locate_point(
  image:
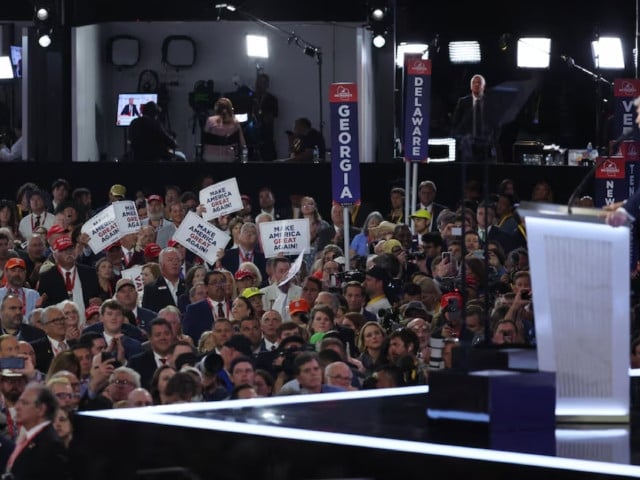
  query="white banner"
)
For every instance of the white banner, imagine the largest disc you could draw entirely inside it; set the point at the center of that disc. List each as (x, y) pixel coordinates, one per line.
(293, 271)
(288, 237)
(201, 237)
(134, 273)
(111, 224)
(220, 199)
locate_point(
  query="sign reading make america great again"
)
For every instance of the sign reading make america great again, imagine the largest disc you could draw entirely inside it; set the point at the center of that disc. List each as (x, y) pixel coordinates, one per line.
(417, 108)
(200, 237)
(345, 154)
(111, 224)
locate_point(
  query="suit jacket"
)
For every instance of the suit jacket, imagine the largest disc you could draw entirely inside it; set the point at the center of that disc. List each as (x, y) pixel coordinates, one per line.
(157, 295)
(145, 364)
(45, 456)
(326, 236)
(52, 283)
(198, 318)
(44, 353)
(144, 318)
(29, 333)
(130, 109)
(128, 329)
(231, 261)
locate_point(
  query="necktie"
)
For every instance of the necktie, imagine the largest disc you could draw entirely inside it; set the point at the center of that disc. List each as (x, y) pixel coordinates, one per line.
(67, 282)
(482, 233)
(129, 255)
(163, 361)
(220, 310)
(475, 118)
(37, 224)
(273, 347)
(62, 346)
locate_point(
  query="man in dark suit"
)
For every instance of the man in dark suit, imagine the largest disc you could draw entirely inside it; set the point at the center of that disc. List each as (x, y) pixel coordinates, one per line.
(247, 251)
(427, 191)
(53, 324)
(112, 320)
(473, 125)
(41, 454)
(130, 109)
(68, 280)
(11, 320)
(335, 235)
(160, 339)
(127, 295)
(167, 288)
(200, 316)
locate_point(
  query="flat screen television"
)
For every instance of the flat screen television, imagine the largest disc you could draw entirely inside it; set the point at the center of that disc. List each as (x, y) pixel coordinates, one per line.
(16, 59)
(130, 106)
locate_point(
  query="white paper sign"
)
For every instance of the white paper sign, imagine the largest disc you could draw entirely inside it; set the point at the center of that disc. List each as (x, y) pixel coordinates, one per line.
(288, 237)
(221, 198)
(111, 224)
(134, 273)
(201, 237)
(293, 271)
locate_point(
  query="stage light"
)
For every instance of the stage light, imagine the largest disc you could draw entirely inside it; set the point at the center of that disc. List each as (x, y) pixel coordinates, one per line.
(379, 41)
(377, 14)
(534, 52)
(607, 53)
(42, 14)
(44, 40)
(257, 46)
(405, 48)
(465, 52)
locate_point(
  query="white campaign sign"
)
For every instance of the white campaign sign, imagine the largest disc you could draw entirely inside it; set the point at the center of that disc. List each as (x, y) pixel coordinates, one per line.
(293, 271)
(134, 273)
(111, 224)
(288, 237)
(220, 199)
(201, 237)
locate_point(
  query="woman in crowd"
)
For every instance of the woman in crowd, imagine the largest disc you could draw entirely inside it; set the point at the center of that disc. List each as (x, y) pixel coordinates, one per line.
(159, 381)
(360, 245)
(322, 319)
(9, 218)
(150, 273)
(371, 343)
(63, 427)
(72, 321)
(241, 308)
(222, 135)
(235, 225)
(263, 383)
(194, 276)
(106, 279)
(309, 210)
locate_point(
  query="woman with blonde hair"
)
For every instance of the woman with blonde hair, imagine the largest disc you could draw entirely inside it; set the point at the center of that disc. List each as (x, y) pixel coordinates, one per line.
(222, 136)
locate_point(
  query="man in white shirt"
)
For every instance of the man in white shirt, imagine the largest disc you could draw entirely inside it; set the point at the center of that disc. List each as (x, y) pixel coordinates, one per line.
(39, 217)
(278, 298)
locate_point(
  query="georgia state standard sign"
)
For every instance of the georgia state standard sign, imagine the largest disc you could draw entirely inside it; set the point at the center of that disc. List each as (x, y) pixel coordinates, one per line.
(417, 108)
(345, 155)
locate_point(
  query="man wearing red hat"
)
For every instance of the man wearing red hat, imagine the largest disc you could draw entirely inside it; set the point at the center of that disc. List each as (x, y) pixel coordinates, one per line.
(15, 272)
(68, 280)
(155, 217)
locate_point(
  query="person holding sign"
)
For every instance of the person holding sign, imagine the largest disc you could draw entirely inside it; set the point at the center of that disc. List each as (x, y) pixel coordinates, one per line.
(68, 280)
(275, 292)
(248, 251)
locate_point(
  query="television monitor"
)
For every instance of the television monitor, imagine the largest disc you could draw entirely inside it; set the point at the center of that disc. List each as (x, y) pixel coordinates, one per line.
(6, 69)
(16, 59)
(130, 106)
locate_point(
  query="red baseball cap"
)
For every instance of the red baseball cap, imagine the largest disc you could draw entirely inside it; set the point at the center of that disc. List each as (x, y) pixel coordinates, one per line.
(62, 243)
(14, 262)
(55, 228)
(152, 250)
(156, 198)
(172, 243)
(92, 310)
(242, 274)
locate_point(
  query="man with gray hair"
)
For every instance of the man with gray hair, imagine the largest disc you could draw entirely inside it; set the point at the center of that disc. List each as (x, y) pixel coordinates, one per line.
(169, 286)
(248, 251)
(122, 382)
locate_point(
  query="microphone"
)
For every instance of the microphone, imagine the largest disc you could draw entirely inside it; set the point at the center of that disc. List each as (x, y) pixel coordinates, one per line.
(570, 61)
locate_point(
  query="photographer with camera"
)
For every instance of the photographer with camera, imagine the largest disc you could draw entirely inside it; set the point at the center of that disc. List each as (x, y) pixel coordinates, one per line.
(521, 310)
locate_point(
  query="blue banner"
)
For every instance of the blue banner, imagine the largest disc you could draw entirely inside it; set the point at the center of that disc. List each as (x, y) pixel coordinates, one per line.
(345, 154)
(417, 108)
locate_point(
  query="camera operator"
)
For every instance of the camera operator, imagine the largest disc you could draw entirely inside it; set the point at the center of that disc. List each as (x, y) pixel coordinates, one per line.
(450, 323)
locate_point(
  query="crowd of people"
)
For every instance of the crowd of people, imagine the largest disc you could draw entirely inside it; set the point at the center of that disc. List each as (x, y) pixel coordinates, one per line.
(87, 337)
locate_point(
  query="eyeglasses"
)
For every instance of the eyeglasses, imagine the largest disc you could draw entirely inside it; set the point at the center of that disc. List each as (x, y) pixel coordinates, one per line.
(342, 378)
(220, 283)
(122, 382)
(64, 396)
(56, 321)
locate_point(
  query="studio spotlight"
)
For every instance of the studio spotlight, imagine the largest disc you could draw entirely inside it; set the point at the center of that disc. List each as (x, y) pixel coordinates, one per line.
(257, 46)
(44, 40)
(377, 14)
(379, 41)
(42, 14)
(607, 53)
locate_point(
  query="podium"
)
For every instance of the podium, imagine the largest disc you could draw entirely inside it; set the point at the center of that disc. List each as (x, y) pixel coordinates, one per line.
(580, 285)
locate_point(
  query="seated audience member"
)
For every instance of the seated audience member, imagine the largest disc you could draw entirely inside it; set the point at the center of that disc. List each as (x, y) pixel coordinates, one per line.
(160, 339)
